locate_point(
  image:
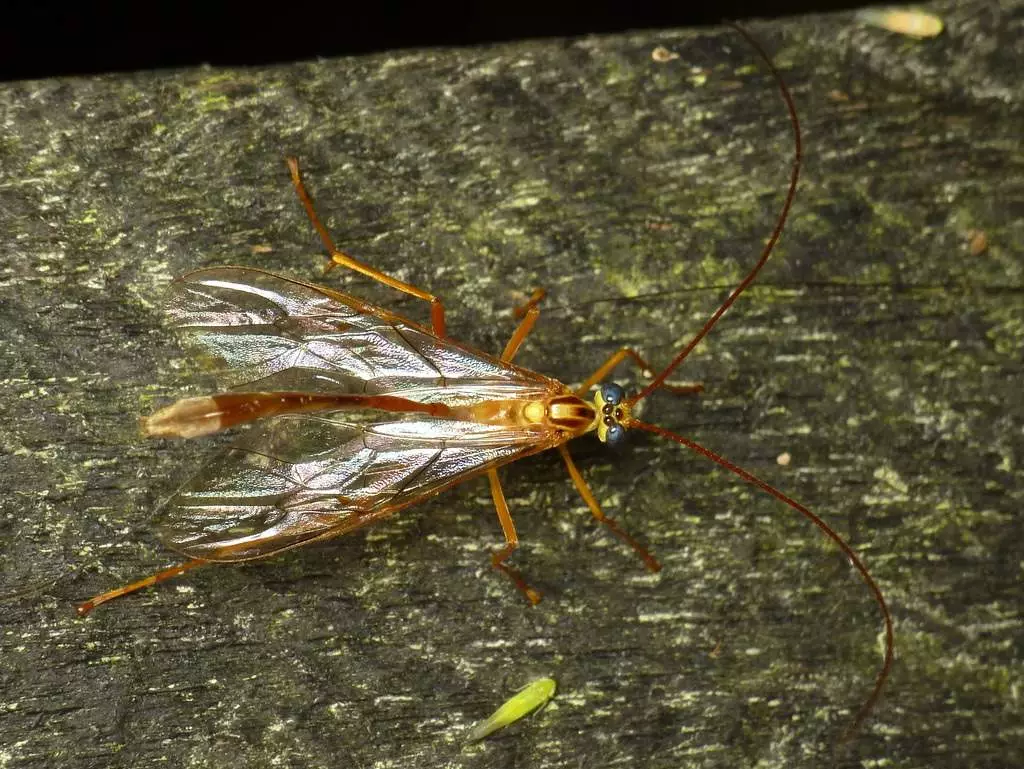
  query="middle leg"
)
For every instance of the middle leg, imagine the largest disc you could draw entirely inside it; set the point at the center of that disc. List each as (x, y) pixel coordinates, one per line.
(529, 313)
(508, 528)
(345, 260)
(588, 496)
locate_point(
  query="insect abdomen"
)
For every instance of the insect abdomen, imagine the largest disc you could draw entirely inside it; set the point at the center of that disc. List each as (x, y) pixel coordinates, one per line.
(194, 417)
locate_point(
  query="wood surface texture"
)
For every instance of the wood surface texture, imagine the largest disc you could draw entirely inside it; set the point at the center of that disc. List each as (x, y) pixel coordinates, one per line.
(881, 351)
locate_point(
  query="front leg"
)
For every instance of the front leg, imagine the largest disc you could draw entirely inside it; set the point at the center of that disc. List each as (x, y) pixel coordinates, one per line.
(627, 352)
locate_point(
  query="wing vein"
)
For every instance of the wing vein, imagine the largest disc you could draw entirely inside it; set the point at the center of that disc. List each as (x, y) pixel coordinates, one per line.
(416, 351)
(426, 465)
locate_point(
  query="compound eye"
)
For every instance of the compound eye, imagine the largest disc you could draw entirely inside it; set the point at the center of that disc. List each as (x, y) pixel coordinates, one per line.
(615, 435)
(612, 393)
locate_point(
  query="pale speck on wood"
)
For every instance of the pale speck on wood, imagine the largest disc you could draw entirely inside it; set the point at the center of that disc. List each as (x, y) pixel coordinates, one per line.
(661, 54)
(978, 243)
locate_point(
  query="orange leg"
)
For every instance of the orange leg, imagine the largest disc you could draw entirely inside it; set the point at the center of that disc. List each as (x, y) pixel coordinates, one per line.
(528, 312)
(152, 579)
(616, 358)
(345, 260)
(588, 497)
(508, 528)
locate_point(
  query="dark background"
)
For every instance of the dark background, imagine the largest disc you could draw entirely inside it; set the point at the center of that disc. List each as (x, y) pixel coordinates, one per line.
(48, 39)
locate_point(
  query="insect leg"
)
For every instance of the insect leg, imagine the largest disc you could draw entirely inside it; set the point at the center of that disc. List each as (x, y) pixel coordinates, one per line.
(616, 358)
(152, 579)
(588, 496)
(508, 528)
(528, 312)
(343, 259)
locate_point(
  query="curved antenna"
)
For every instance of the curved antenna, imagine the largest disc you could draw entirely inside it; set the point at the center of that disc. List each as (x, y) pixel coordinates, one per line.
(849, 552)
(659, 380)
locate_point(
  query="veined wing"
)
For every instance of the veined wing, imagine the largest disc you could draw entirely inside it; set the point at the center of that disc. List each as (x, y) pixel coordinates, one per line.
(271, 333)
(298, 478)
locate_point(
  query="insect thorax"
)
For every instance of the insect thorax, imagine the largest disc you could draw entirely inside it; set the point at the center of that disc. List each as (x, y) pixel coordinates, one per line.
(570, 413)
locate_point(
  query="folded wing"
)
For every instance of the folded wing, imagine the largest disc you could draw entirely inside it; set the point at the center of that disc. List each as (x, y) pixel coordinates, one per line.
(298, 478)
(262, 331)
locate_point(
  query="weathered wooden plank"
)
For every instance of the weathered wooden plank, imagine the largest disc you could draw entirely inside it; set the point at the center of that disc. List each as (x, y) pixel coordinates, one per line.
(879, 351)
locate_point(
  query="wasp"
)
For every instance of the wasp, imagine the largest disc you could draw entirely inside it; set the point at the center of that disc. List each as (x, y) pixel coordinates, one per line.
(360, 412)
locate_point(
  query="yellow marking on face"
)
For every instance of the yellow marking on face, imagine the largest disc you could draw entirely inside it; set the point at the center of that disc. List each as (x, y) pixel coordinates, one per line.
(619, 415)
(602, 428)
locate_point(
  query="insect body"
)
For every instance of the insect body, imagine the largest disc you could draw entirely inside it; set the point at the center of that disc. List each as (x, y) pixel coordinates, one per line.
(525, 701)
(302, 359)
(360, 413)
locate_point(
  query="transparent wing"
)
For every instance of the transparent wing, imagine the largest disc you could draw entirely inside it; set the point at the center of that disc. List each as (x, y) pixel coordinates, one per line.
(261, 331)
(297, 478)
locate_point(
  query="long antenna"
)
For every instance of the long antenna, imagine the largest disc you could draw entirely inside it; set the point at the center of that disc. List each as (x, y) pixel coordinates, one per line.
(630, 422)
(849, 552)
(780, 223)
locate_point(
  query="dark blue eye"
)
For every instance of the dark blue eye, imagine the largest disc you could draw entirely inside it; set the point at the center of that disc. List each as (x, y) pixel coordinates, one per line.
(615, 435)
(612, 393)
